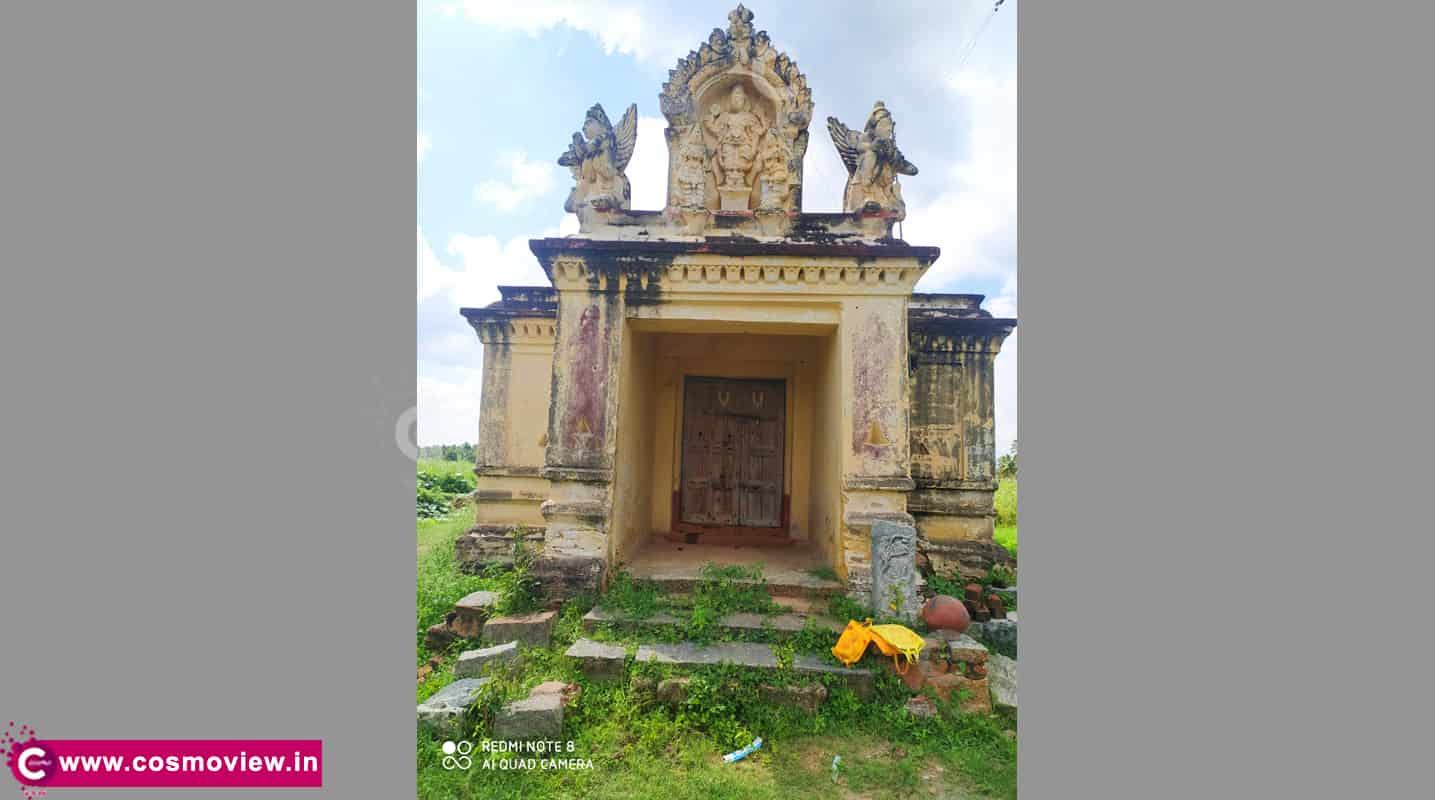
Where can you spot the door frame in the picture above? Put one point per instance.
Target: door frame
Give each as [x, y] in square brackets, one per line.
[784, 527]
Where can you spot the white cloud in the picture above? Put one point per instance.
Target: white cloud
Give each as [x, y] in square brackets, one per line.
[627, 28]
[978, 212]
[424, 144]
[448, 405]
[1005, 394]
[526, 181]
[648, 170]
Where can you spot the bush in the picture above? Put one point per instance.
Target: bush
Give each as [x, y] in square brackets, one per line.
[436, 491]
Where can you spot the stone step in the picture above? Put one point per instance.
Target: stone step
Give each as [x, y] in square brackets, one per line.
[785, 583]
[790, 604]
[444, 711]
[740, 622]
[753, 655]
[600, 658]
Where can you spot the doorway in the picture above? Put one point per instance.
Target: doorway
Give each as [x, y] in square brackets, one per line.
[733, 455]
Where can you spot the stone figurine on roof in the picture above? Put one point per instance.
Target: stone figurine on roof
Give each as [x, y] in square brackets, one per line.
[873, 164]
[597, 157]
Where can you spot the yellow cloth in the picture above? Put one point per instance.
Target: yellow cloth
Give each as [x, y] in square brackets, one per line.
[892, 640]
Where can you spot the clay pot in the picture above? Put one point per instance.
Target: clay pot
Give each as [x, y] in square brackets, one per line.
[946, 612]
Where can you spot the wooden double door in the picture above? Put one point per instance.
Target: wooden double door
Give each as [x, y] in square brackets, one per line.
[734, 436]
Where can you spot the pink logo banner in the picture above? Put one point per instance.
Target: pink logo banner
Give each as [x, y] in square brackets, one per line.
[165, 763]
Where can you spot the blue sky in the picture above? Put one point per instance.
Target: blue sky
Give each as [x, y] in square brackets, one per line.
[502, 86]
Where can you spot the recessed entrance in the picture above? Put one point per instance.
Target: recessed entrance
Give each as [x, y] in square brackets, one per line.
[734, 433]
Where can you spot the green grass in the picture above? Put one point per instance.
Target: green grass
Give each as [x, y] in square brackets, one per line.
[1005, 536]
[1005, 502]
[442, 531]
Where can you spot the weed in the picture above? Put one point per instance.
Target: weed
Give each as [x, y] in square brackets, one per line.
[632, 597]
[518, 589]
[823, 573]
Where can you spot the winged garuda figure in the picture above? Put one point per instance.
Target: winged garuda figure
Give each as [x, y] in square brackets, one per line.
[873, 164]
[598, 162]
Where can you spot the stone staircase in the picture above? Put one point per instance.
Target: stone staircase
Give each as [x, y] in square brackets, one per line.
[949, 663]
[599, 660]
[738, 623]
[779, 584]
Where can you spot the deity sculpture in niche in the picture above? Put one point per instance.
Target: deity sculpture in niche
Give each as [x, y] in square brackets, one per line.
[775, 185]
[749, 105]
[736, 134]
[598, 157]
[690, 176]
[873, 164]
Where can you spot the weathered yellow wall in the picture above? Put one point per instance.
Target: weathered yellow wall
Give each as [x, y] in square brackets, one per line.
[825, 504]
[518, 364]
[633, 468]
[529, 392]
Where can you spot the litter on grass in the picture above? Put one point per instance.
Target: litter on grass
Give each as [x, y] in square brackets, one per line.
[738, 755]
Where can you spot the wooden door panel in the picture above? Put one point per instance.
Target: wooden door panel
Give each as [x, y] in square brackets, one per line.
[733, 453]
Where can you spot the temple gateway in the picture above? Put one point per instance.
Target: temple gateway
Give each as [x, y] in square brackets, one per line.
[728, 378]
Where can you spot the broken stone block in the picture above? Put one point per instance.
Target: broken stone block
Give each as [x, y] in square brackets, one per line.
[470, 662]
[597, 660]
[977, 698]
[967, 650]
[470, 612]
[807, 698]
[998, 634]
[444, 711]
[534, 630]
[673, 690]
[935, 649]
[996, 606]
[540, 716]
[567, 691]
[642, 684]
[440, 635]
[914, 676]
[1001, 678]
[921, 706]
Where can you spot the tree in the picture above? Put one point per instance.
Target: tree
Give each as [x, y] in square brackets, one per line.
[1006, 465]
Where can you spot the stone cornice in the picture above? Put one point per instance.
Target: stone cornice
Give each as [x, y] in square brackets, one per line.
[548, 249]
[496, 326]
[643, 279]
[930, 339]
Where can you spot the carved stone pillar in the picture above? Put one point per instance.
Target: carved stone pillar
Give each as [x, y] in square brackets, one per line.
[953, 350]
[582, 423]
[876, 472]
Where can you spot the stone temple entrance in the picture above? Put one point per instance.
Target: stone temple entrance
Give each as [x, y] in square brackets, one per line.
[732, 370]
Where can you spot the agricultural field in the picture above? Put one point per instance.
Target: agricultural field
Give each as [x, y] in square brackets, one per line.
[641, 749]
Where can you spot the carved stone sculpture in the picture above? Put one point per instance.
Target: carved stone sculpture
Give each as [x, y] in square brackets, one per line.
[873, 164]
[894, 570]
[736, 133]
[597, 156]
[775, 185]
[749, 106]
[690, 174]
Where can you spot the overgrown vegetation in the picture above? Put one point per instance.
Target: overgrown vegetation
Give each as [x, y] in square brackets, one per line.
[439, 485]
[642, 749]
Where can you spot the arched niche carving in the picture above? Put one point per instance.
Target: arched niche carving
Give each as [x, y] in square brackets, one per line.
[719, 159]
